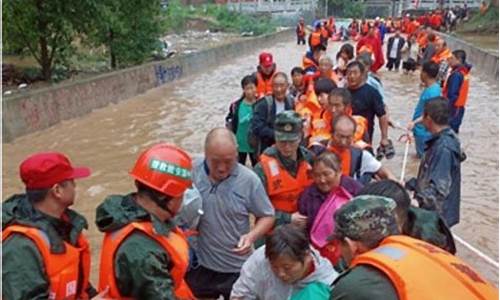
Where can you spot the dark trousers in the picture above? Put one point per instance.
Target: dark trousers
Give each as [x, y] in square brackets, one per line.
[206, 283]
[393, 62]
[301, 40]
[242, 158]
[456, 117]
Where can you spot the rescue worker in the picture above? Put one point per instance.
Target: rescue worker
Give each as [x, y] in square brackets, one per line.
[310, 60]
[382, 263]
[412, 221]
[456, 87]
[265, 111]
[441, 57]
[300, 31]
[45, 254]
[316, 38]
[371, 43]
[359, 164]
[144, 254]
[340, 103]
[284, 168]
[265, 72]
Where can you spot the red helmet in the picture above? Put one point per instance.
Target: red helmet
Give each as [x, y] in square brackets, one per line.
[165, 168]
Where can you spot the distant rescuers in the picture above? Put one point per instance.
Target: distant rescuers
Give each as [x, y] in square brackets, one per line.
[230, 193]
[386, 265]
[300, 31]
[44, 252]
[284, 168]
[439, 175]
[144, 254]
[456, 88]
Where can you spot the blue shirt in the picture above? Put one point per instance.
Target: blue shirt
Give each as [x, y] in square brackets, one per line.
[428, 93]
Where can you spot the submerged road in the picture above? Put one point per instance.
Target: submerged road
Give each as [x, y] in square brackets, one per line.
[109, 140]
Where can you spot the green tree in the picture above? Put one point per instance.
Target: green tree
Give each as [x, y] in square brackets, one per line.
[45, 29]
[346, 8]
[129, 29]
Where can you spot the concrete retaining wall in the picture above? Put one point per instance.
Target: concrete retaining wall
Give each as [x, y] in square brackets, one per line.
[35, 110]
[484, 64]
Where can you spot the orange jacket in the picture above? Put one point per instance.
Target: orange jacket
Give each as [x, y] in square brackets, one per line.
[301, 30]
[264, 86]
[419, 270]
[63, 270]
[361, 133]
[283, 189]
[441, 56]
[315, 38]
[463, 94]
[175, 245]
[350, 160]
[321, 125]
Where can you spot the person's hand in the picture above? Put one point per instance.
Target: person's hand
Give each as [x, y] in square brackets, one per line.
[384, 142]
[298, 219]
[245, 244]
[410, 126]
[103, 295]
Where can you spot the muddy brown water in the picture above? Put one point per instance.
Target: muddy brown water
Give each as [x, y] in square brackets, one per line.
[109, 140]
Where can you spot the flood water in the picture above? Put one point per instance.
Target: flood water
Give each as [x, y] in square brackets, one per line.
[110, 139]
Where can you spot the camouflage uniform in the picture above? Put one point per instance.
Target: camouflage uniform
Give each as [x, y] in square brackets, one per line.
[365, 217]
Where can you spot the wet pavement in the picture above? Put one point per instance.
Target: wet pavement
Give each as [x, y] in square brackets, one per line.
[110, 139]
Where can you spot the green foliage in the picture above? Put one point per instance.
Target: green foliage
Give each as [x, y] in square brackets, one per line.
[129, 30]
[346, 9]
[222, 19]
[487, 23]
[45, 29]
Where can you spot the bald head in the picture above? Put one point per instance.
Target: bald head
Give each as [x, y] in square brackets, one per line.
[343, 129]
[221, 151]
[220, 137]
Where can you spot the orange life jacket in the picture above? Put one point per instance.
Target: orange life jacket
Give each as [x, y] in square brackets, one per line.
[324, 32]
[175, 245]
[350, 160]
[264, 86]
[320, 127]
[464, 88]
[443, 55]
[62, 269]
[419, 270]
[422, 39]
[283, 189]
[361, 132]
[316, 38]
[364, 28]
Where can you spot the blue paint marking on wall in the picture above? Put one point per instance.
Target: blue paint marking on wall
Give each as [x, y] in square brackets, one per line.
[167, 74]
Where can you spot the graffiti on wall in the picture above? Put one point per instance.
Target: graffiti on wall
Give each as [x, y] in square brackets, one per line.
[167, 74]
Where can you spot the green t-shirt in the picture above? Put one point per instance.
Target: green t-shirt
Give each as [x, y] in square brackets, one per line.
[244, 118]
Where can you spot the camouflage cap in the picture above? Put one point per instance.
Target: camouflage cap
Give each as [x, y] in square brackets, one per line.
[365, 217]
[288, 126]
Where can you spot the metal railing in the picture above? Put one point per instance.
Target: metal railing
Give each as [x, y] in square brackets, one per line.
[272, 5]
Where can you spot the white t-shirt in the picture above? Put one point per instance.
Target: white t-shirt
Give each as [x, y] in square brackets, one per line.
[369, 164]
[280, 106]
[394, 49]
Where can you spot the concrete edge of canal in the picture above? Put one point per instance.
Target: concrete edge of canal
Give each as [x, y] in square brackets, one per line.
[483, 63]
[35, 110]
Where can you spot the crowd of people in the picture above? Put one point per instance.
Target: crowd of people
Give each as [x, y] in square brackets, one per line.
[291, 199]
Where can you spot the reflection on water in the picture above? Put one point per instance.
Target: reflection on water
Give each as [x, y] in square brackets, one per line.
[110, 139]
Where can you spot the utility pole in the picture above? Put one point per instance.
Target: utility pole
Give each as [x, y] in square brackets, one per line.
[326, 9]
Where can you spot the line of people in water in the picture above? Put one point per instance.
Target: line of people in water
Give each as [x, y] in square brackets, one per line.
[290, 201]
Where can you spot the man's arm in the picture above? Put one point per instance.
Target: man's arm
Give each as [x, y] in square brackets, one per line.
[23, 270]
[384, 173]
[454, 83]
[383, 123]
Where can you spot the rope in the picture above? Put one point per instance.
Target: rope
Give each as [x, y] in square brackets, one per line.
[405, 159]
[476, 251]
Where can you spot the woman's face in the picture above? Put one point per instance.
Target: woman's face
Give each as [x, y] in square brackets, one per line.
[288, 269]
[325, 178]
